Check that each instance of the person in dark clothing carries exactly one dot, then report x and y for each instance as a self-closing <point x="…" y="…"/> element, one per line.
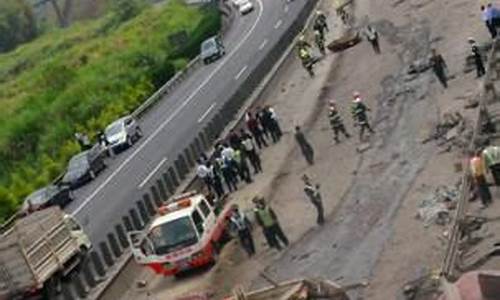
<point x="241" y="226"/>
<point x="263" y="122"/>
<point x="312" y="192"/>
<point x="372" y="37"/>
<point x="234" y="139"/>
<point x="267" y="219"/>
<point x="359" y="112"/>
<point x="216" y="179"/>
<point x="488" y="21"/>
<point x="250" y="151"/>
<point x="275" y="125"/>
<point x="439" y="67"/>
<point x="228" y="174"/>
<point x="336" y="122"/>
<point x="83" y="141"/>
<point x="254" y="127"/>
<point x="305" y="147"/>
<point x="240" y="158"/>
<point x="478" y="59"/>
<point x="320" y="24"/>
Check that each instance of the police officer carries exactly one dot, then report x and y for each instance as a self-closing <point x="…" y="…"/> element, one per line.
<point x="439" y="67"/>
<point x="241" y="226"/>
<point x="312" y="192"/>
<point x="359" y="113"/>
<point x="307" y="60"/>
<point x="319" y="39"/>
<point x="478" y="59"/>
<point x="320" y="24"/>
<point x="336" y="122"/>
<point x="268" y="220"/>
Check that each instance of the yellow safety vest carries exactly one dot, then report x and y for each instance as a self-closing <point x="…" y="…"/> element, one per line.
<point x="265" y="216"/>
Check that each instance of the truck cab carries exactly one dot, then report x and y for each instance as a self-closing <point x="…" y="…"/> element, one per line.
<point x="187" y="234"/>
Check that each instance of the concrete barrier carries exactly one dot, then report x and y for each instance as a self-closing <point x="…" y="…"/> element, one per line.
<point x="157" y="201"/>
<point x="106" y="254"/>
<point x="114" y="246"/>
<point x="97" y="263"/>
<point x="143" y="211"/>
<point x="78" y="286"/>
<point x="180" y="167"/>
<point x="90" y="278"/>
<point x="188" y="156"/>
<point x="67" y="292"/>
<point x="163" y="192"/>
<point x="136" y="220"/>
<point x="149" y="204"/>
<point x="204" y="144"/>
<point x="122" y="236"/>
<point x="127" y="223"/>
<point x="169" y="178"/>
<point x="195" y="149"/>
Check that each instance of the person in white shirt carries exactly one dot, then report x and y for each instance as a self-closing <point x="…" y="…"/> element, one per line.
<point x="203" y="172"/>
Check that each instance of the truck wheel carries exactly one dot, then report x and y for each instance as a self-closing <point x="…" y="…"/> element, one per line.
<point x="138" y="132"/>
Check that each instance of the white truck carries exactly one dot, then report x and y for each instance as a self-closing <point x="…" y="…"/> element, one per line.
<point x="38" y="251"/>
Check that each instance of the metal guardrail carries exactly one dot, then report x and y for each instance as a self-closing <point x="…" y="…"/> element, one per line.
<point x="450" y="259"/>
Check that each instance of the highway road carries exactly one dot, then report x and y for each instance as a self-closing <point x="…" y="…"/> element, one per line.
<point x="175" y="120"/>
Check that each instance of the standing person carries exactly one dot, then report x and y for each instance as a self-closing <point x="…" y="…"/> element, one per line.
<point x="439" y="67"/>
<point x="478" y="59"/>
<point x="271" y="124"/>
<point x="227" y="173"/>
<point x="320" y="24"/>
<point x="251" y="152"/>
<point x="319" y="39"/>
<point x="263" y="121"/>
<point x="242" y="227"/>
<point x="274" y="121"/>
<point x="267" y="219"/>
<point x="227" y="154"/>
<point x="336" y="122"/>
<point x="83" y="141"/>
<point x="478" y="174"/>
<point x="305" y="147"/>
<point x="215" y="174"/>
<point x="241" y="159"/>
<point x="486" y="15"/>
<point x="234" y="139"/>
<point x="254" y="128"/>
<point x="307" y="60"/>
<point x="491" y="158"/>
<point x="203" y="172"/>
<point x="359" y="113"/>
<point x="372" y="37"/>
<point x="302" y="43"/>
<point x="312" y="192"/>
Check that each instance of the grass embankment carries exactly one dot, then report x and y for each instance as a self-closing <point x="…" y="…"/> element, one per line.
<point x="80" y="79"/>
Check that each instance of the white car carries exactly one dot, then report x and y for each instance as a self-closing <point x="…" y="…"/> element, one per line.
<point x="122" y="133"/>
<point x="245" y="7"/>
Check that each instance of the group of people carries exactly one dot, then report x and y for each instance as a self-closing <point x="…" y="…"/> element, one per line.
<point x="239" y="152"/>
<point x="304" y="49"/>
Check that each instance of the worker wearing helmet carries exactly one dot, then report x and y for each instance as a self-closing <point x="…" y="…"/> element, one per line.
<point x="320" y="41"/>
<point x="320" y="24"/>
<point x="307" y="60"/>
<point x="336" y="122"/>
<point x="302" y="43"/>
<point x="359" y="113"/>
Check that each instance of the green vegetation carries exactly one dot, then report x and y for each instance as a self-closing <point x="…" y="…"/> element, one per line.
<point x="17" y="24"/>
<point x="80" y="79"/>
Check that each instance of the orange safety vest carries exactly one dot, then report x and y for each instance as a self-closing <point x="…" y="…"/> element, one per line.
<point x="477" y="166"/>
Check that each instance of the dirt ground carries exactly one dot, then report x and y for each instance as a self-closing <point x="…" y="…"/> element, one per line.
<point x="371" y="198"/>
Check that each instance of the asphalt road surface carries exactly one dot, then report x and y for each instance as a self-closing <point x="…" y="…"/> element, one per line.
<point x="174" y="122"/>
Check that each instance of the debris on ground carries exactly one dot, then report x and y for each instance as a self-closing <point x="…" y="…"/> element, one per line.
<point x="435" y="208"/>
<point x="423" y="288"/>
<point x="454" y="131"/>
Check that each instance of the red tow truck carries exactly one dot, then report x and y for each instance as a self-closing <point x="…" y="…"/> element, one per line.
<point x="188" y="233"/>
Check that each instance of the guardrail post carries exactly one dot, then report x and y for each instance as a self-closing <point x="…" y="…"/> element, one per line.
<point x="127" y="223"/>
<point x="204" y="144"/>
<point x="122" y="236"/>
<point x="113" y="243"/>
<point x="149" y="204"/>
<point x="180" y="168"/>
<point x="163" y="192"/>
<point x="208" y="136"/>
<point x="78" y="286"/>
<point x="136" y="220"/>
<point x="195" y="149"/>
<point x="189" y="158"/>
<point x="98" y="264"/>
<point x="106" y="254"/>
<point x="67" y="292"/>
<point x="172" y="181"/>
<point x="88" y="275"/>
<point x="156" y="196"/>
<point x="142" y="211"/>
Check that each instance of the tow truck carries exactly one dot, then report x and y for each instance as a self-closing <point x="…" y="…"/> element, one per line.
<point x="188" y="233"/>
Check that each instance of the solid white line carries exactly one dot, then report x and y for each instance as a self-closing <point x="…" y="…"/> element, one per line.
<point x="152" y="173"/>
<point x="173" y="115"/>
<point x="278" y="24"/>
<point x="240" y="72"/>
<point x="264" y="43"/>
<point x="286" y="8"/>
<point x="206" y="112"/>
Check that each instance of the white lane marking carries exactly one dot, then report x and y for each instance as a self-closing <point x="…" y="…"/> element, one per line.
<point x="152" y="173"/>
<point x="240" y="72"/>
<point x="173" y="115"/>
<point x="264" y="43"/>
<point x="205" y="114"/>
<point x="286" y="8"/>
<point x="278" y="24"/>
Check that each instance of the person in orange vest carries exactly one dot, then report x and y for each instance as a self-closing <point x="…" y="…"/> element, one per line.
<point x="478" y="172"/>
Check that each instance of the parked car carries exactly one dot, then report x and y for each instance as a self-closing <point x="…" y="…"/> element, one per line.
<point x="122" y="133"/>
<point x="245" y="7"/>
<point x="212" y="49"/>
<point x="50" y="195"/>
<point x="84" y="167"/>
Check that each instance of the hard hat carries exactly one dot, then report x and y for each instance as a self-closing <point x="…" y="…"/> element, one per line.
<point x="356" y="94"/>
<point x="318" y="12"/>
<point x="302" y="38"/>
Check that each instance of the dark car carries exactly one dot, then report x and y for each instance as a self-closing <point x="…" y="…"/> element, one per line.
<point x="84" y="167"/>
<point x="212" y="49"/>
<point x="48" y="196"/>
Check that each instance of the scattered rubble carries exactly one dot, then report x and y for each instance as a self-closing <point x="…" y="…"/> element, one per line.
<point x="435" y="208"/>
<point x="453" y="131"/>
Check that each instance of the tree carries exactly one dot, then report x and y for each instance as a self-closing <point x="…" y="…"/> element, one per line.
<point x="127" y="9"/>
<point x="17" y="24"/>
